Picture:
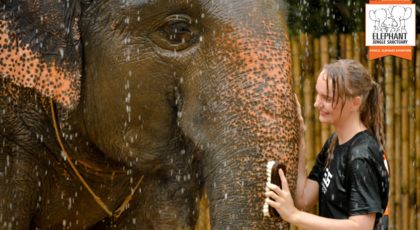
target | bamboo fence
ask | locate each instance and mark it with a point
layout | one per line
(400, 86)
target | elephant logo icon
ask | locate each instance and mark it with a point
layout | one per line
(391, 20)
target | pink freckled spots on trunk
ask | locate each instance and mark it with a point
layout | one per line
(25, 68)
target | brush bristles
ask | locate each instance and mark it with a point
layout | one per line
(266, 207)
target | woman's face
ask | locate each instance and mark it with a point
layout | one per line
(327, 113)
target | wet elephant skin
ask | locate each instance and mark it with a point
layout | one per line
(190, 94)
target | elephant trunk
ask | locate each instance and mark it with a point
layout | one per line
(396, 23)
(241, 115)
(258, 129)
(382, 24)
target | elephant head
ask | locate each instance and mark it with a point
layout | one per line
(379, 16)
(399, 14)
(389, 24)
(189, 94)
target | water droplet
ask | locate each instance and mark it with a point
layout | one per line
(61, 52)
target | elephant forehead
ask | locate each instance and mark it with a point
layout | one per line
(381, 13)
(24, 68)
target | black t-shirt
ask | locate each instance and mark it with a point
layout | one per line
(356, 182)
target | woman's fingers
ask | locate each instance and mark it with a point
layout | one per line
(271, 203)
(272, 195)
(275, 188)
(284, 183)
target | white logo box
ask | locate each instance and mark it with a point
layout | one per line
(390, 25)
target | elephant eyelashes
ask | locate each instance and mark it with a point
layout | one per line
(179, 28)
(176, 34)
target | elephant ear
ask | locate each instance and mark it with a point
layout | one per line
(407, 13)
(390, 8)
(372, 15)
(41, 47)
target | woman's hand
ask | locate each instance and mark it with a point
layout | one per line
(283, 201)
(300, 119)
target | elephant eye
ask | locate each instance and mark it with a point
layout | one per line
(176, 34)
(180, 28)
(179, 35)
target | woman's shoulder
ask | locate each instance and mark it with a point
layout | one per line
(365, 146)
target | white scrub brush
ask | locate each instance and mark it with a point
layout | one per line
(273, 177)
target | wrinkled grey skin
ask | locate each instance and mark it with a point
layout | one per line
(186, 93)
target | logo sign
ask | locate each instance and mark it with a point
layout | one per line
(390, 28)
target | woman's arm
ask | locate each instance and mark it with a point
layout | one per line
(283, 203)
(310, 221)
(306, 193)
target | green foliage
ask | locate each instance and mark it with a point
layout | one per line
(319, 17)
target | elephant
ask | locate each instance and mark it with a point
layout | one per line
(127, 114)
(400, 14)
(389, 25)
(379, 16)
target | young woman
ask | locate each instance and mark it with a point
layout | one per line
(350, 177)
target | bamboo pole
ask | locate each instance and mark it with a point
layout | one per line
(307, 105)
(317, 56)
(296, 67)
(380, 73)
(307, 108)
(343, 46)
(363, 49)
(297, 77)
(405, 144)
(411, 145)
(357, 48)
(325, 59)
(317, 124)
(389, 121)
(371, 65)
(417, 140)
(397, 144)
(333, 39)
(349, 47)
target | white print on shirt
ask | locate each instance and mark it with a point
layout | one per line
(326, 180)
